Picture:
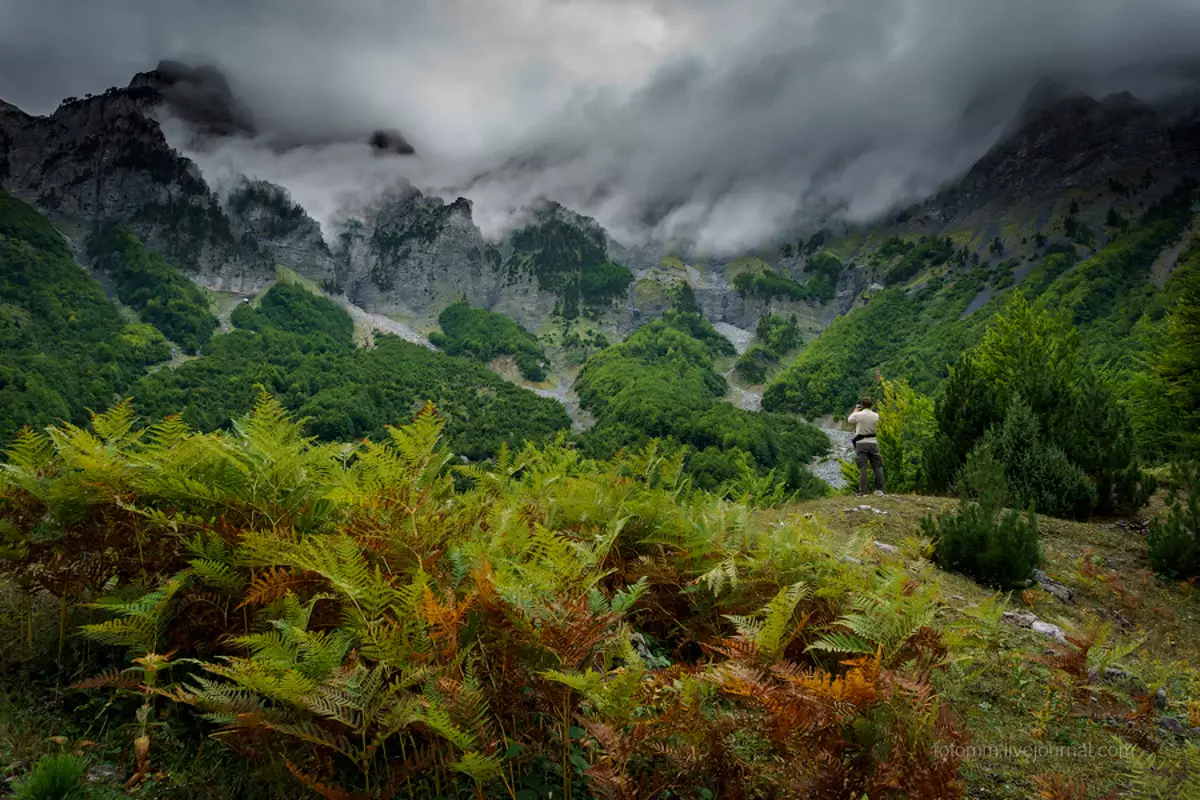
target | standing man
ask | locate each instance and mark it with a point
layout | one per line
(866, 448)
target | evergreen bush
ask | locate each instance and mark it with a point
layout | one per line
(1174, 539)
(1037, 473)
(982, 539)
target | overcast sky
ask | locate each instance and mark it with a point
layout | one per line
(722, 122)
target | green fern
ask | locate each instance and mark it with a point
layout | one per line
(882, 621)
(138, 624)
(57, 777)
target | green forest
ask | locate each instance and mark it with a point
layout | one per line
(661, 384)
(148, 284)
(300, 347)
(482, 335)
(66, 348)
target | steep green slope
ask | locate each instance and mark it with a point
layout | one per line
(482, 335)
(300, 347)
(154, 288)
(916, 332)
(661, 383)
(66, 348)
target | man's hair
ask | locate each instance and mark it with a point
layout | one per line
(865, 402)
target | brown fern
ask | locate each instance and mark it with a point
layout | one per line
(325, 790)
(1052, 786)
(1071, 658)
(273, 583)
(444, 619)
(113, 679)
(571, 632)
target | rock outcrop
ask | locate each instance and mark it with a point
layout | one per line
(104, 158)
(1077, 142)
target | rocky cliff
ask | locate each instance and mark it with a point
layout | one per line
(104, 157)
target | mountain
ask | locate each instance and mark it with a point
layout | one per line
(1072, 175)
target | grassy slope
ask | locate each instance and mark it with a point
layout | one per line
(916, 332)
(999, 701)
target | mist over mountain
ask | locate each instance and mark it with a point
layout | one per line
(719, 125)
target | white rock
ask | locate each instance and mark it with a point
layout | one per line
(1046, 629)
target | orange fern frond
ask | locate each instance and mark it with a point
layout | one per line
(1051, 786)
(444, 619)
(274, 583)
(323, 789)
(113, 679)
(571, 631)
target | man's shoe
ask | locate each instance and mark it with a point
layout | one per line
(878, 493)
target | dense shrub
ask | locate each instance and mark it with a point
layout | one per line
(661, 383)
(1098, 436)
(1036, 472)
(777, 333)
(983, 539)
(482, 335)
(997, 548)
(1066, 442)
(906, 426)
(1174, 537)
(1177, 362)
(965, 408)
(777, 336)
(753, 364)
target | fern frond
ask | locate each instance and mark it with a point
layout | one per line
(837, 642)
(113, 679)
(273, 583)
(217, 575)
(30, 453)
(323, 789)
(480, 768)
(115, 426)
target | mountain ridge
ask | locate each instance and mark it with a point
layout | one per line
(407, 255)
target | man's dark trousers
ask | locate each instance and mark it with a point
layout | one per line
(867, 452)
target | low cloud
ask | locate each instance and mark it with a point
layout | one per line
(722, 124)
